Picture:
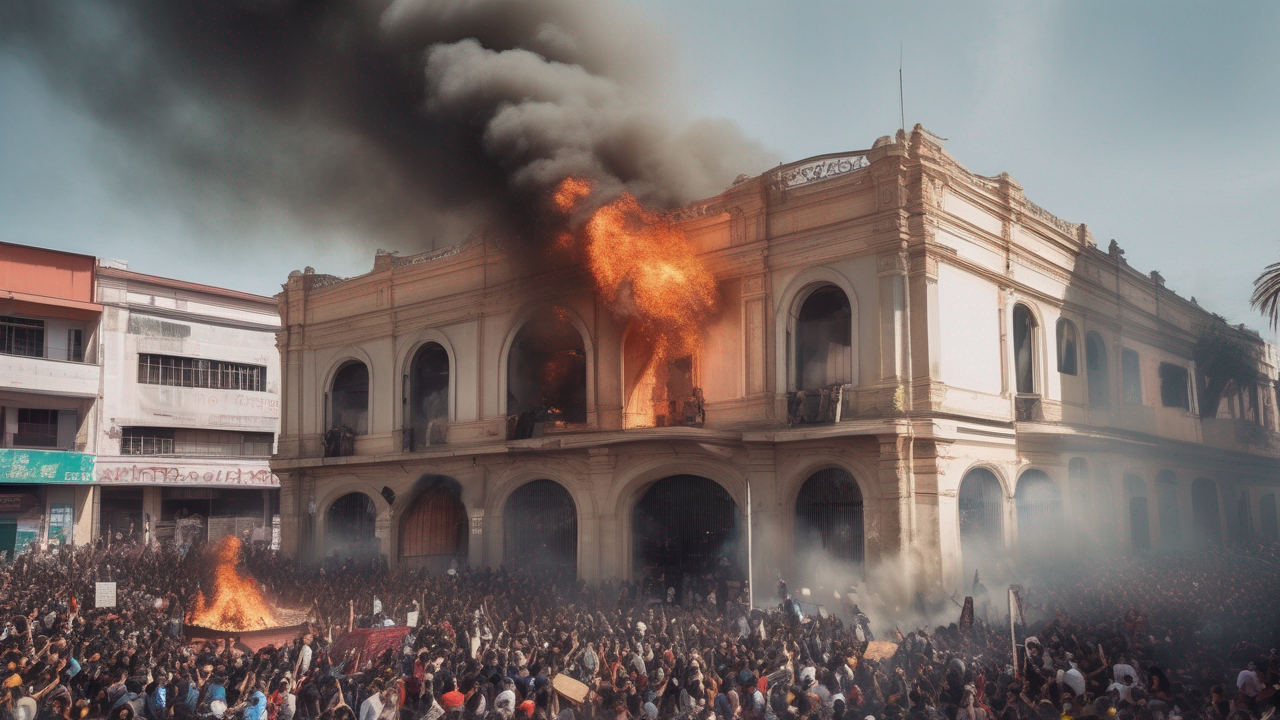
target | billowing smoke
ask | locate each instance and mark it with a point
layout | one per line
(410, 121)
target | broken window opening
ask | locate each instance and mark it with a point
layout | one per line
(428, 399)
(546, 377)
(1024, 325)
(350, 398)
(1066, 347)
(660, 393)
(824, 340)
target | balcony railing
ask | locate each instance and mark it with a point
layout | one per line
(815, 407)
(1027, 407)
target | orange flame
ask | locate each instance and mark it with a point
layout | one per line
(645, 267)
(237, 604)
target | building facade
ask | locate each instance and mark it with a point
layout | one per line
(50, 377)
(189, 412)
(911, 366)
(131, 405)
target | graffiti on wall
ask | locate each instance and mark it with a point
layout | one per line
(180, 475)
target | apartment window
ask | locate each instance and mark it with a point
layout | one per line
(1129, 368)
(192, 372)
(1174, 386)
(21, 336)
(206, 443)
(36, 428)
(1024, 327)
(75, 345)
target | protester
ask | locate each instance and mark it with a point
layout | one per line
(1124, 639)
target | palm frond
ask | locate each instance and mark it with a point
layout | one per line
(1266, 293)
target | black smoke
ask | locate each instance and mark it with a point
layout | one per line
(411, 121)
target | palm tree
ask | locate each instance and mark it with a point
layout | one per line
(1266, 293)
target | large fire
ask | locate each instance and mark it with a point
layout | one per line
(645, 268)
(237, 604)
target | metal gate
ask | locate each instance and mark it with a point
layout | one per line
(686, 524)
(540, 526)
(349, 524)
(1039, 512)
(432, 534)
(829, 516)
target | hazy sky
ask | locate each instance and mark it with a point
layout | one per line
(1157, 124)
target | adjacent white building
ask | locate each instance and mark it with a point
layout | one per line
(190, 408)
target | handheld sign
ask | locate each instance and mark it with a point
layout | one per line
(104, 595)
(412, 619)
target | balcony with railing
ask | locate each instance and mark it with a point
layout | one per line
(30, 364)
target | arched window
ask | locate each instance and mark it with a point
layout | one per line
(1039, 513)
(1270, 527)
(433, 533)
(349, 526)
(1024, 325)
(981, 510)
(427, 408)
(547, 372)
(829, 520)
(1095, 361)
(541, 530)
(1167, 510)
(1204, 512)
(1139, 523)
(824, 340)
(350, 398)
(1067, 353)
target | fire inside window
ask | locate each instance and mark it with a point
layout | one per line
(191, 372)
(20, 336)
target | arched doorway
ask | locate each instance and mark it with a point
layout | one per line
(981, 510)
(540, 529)
(829, 531)
(427, 403)
(1139, 521)
(349, 527)
(824, 340)
(1039, 513)
(686, 526)
(433, 533)
(1204, 512)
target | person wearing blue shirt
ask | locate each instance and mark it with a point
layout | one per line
(256, 706)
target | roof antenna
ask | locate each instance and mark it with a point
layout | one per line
(901, 107)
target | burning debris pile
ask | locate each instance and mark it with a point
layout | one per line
(645, 268)
(237, 604)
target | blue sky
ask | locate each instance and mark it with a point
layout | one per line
(1158, 124)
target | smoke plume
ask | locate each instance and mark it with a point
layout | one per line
(407, 121)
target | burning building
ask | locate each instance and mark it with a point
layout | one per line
(864, 356)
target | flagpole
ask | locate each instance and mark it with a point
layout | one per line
(751, 566)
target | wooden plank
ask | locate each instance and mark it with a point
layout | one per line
(569, 688)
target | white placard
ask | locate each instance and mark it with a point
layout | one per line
(412, 619)
(104, 595)
(377, 606)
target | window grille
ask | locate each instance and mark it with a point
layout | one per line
(196, 373)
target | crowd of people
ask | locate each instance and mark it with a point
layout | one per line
(1145, 638)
